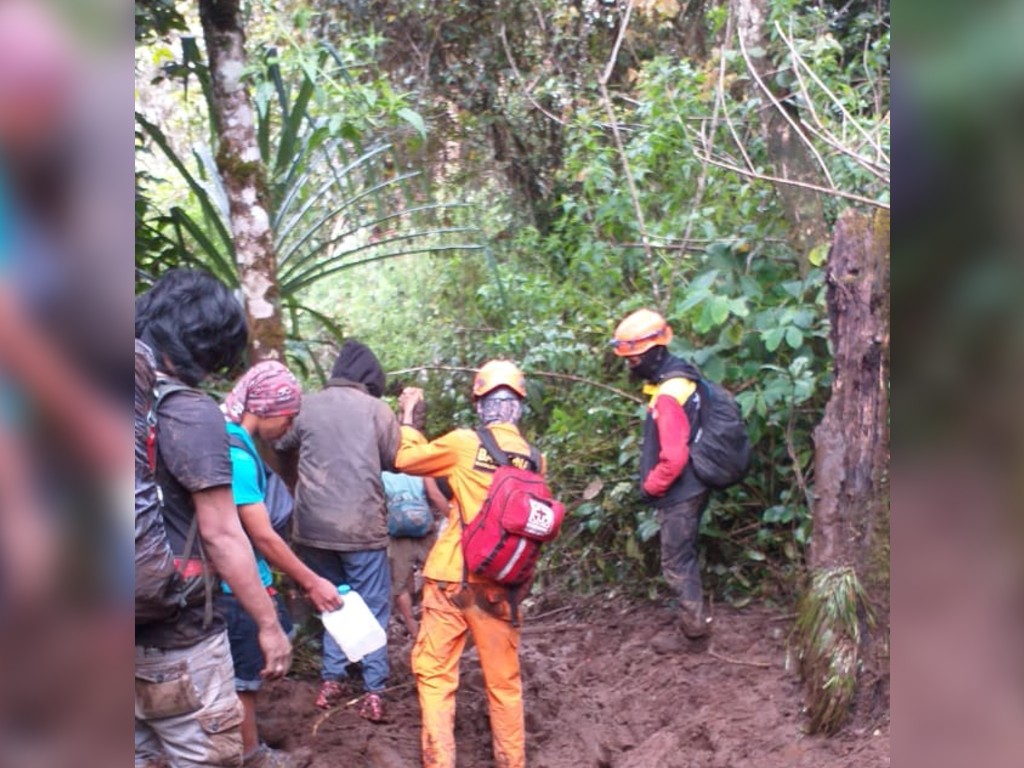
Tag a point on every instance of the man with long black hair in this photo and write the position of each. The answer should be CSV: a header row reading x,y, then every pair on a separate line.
x,y
188,326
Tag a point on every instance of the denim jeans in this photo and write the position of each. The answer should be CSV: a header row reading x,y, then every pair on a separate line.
x,y
243,634
367,572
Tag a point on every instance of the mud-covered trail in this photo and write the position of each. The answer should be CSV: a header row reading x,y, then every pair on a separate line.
x,y
598,695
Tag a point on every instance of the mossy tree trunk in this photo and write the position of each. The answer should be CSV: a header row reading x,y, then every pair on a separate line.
x,y
244,177
836,636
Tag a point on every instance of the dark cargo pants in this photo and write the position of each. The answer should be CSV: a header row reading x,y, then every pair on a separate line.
x,y
679,526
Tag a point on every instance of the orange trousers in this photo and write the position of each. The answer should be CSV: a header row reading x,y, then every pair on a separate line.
x,y
448,613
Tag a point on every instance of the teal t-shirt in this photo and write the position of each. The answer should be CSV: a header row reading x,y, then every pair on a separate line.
x,y
247,484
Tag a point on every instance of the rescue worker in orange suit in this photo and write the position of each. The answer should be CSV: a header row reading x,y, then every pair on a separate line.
x,y
668,481
482,607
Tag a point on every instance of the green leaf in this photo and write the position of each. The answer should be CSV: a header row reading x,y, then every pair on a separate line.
x,y
632,549
413,118
202,195
704,281
773,338
220,265
720,306
693,298
794,288
288,145
803,318
794,337
738,307
818,254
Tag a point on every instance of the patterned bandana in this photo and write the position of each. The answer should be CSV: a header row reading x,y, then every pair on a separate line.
x,y
267,389
502,405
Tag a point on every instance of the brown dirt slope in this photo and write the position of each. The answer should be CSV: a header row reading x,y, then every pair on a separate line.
x,y
599,696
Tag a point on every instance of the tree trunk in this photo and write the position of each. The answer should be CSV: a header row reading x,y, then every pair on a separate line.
x,y
788,153
841,647
244,177
852,442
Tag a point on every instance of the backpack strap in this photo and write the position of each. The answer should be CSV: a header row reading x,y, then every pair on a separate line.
x,y
164,388
237,442
703,392
192,542
500,457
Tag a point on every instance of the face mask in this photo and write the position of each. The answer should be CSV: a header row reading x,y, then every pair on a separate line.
x,y
650,362
499,406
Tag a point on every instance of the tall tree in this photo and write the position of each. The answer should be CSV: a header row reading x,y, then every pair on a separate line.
x,y
835,629
791,154
243,175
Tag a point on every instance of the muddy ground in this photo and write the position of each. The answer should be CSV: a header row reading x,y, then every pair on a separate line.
x,y
597,695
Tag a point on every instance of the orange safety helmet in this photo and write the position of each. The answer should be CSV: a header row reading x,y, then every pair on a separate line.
x,y
499,373
639,332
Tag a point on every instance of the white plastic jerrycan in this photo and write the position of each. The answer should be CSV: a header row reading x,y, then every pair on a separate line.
x,y
353,626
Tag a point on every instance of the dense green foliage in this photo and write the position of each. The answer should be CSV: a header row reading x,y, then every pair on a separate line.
x,y
564,255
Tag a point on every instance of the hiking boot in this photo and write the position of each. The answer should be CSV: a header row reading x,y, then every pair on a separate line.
x,y
330,695
694,623
372,708
265,757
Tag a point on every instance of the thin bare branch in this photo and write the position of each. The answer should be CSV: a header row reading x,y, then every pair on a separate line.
x,y
808,101
545,374
610,66
794,183
662,246
819,129
519,77
831,140
630,183
798,470
720,100
782,111
739,662
856,124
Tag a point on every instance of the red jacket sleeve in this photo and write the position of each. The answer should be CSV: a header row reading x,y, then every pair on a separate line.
x,y
673,438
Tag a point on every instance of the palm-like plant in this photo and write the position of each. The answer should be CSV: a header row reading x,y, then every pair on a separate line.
x,y
336,201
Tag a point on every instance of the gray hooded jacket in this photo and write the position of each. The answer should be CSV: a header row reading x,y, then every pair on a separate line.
x,y
345,438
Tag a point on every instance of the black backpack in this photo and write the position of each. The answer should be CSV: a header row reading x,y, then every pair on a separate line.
x,y
157,584
160,589
719,446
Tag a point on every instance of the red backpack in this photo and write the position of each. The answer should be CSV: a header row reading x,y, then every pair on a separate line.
x,y
503,541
